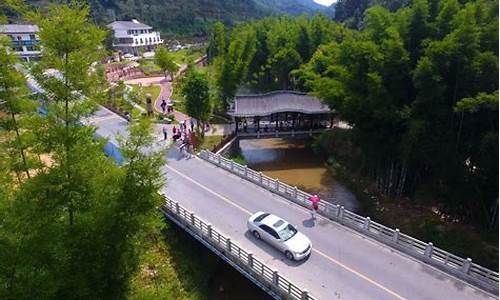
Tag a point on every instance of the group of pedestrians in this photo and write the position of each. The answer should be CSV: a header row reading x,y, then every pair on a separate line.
x,y
183,137
165,107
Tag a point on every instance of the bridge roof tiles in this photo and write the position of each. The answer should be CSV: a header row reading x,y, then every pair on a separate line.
x,y
276,102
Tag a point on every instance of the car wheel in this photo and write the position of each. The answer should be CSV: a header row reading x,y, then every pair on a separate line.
x,y
289,255
256,235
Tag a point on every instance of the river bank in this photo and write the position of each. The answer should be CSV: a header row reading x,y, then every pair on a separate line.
x,y
174,265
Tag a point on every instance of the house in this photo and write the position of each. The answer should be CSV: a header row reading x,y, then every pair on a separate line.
x,y
134,37
24,40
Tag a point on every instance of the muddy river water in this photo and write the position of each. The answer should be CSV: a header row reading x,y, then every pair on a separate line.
x,y
293,161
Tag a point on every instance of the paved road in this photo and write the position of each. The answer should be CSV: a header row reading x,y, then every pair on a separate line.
x,y
343,265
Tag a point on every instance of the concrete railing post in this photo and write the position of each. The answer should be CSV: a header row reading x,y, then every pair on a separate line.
x,y
276,133
177,208
192,218
228,245
428,249
260,177
341,215
258,134
366,225
293,133
275,277
209,229
250,260
218,160
304,295
277,184
466,265
295,192
395,236
310,132
246,171
232,165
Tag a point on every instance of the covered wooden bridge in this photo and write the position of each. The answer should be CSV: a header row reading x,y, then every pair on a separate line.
x,y
280,112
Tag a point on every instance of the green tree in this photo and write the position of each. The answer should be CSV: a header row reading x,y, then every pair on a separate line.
x,y
17,109
233,68
72,231
418,85
217,41
195,91
166,63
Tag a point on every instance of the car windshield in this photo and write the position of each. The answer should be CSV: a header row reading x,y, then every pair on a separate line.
x,y
288,232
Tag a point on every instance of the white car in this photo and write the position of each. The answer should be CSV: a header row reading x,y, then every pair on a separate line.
x,y
280,234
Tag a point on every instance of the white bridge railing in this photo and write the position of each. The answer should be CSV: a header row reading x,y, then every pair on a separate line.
x,y
427,252
268,279
278,133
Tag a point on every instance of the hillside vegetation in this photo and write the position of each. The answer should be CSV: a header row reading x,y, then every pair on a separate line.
x,y
191,17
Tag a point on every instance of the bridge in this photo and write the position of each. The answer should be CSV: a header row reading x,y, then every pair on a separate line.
x,y
352,257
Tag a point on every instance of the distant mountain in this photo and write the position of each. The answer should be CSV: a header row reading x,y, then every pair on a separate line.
x,y
192,16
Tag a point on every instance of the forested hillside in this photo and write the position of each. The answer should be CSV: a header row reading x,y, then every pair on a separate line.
x,y
192,16
419,85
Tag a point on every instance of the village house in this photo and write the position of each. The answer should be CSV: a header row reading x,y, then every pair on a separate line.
x,y
24,40
134,37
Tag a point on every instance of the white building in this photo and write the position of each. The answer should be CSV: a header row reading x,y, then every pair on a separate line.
x,y
134,37
25,41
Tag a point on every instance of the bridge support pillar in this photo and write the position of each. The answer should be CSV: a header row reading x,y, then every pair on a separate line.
x,y
341,215
428,249
395,236
250,260
228,245
304,295
366,225
209,229
275,277
191,215
466,265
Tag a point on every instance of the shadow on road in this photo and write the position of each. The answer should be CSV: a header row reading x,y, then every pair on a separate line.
x,y
309,222
275,253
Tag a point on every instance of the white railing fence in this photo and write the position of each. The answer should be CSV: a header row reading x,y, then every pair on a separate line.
x,y
266,276
462,268
272,132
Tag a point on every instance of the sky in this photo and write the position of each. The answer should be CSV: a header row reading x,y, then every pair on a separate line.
x,y
325,2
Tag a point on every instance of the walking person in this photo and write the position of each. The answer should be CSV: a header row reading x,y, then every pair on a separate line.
x,y
314,205
163,105
165,133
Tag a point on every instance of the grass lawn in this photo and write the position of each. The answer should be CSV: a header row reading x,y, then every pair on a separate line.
x,y
209,141
187,56
149,67
154,90
179,104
